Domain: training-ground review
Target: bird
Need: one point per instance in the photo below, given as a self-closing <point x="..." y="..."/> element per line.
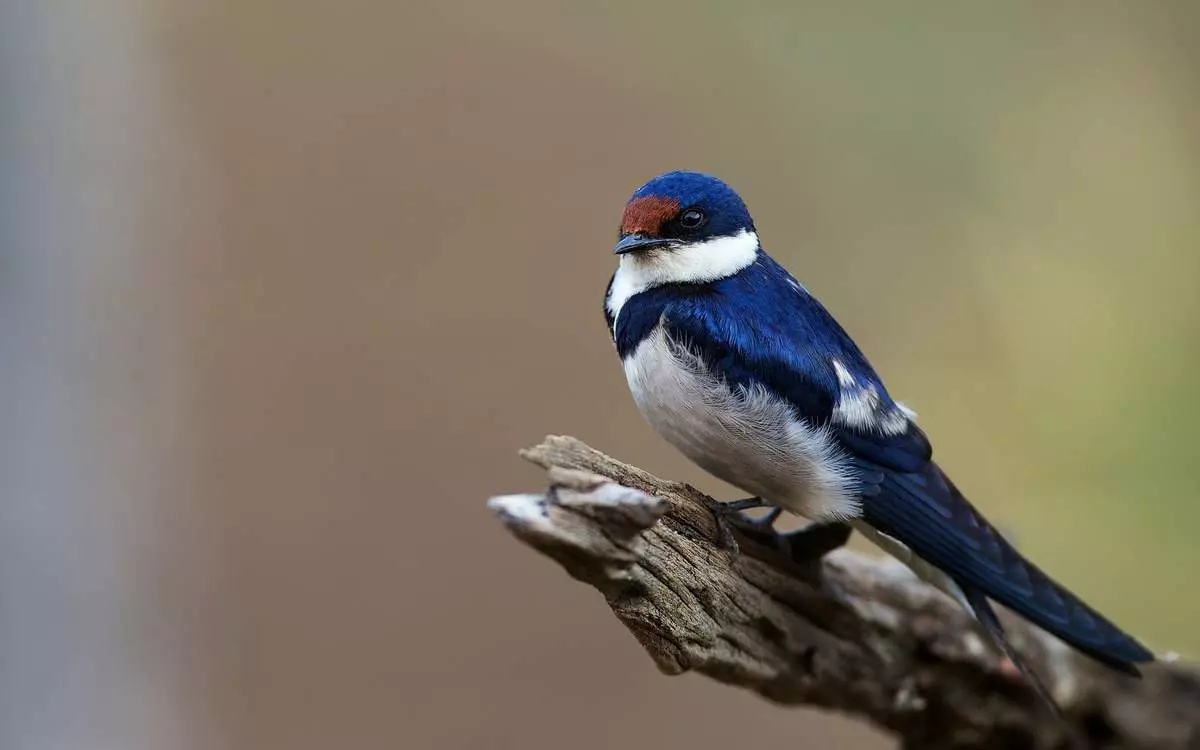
<point x="738" y="366"/>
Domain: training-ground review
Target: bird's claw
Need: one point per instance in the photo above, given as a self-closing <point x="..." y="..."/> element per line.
<point x="727" y="515"/>
<point x="749" y="503"/>
<point x="804" y="545"/>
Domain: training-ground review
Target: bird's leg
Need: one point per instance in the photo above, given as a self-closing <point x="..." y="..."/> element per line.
<point x="749" y="503"/>
<point x="768" y="519"/>
<point x="813" y="541"/>
<point x="765" y="521"/>
<point x="727" y="515"/>
<point x="806" y="544"/>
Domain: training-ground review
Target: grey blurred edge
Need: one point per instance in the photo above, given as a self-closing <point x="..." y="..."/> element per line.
<point x="93" y="392"/>
<point x="850" y="633"/>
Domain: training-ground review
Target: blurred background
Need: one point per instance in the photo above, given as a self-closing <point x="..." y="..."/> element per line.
<point x="285" y="286"/>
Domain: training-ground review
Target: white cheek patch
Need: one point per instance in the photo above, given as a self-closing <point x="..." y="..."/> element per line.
<point x="859" y="405"/>
<point x="699" y="262"/>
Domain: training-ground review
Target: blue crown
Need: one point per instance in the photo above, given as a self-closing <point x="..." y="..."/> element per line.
<point x="727" y="214"/>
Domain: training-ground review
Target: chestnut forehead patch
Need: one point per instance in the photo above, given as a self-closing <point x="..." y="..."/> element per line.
<point x="647" y="215"/>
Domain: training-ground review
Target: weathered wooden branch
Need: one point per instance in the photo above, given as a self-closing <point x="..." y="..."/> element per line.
<point x="848" y="632"/>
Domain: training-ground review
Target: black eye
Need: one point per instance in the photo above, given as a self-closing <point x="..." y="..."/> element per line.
<point x="693" y="218"/>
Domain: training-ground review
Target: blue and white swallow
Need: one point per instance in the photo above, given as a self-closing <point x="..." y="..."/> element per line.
<point x="739" y="367"/>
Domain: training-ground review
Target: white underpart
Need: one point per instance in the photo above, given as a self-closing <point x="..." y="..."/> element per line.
<point x="693" y="263"/>
<point x="859" y="405"/>
<point x="747" y="436"/>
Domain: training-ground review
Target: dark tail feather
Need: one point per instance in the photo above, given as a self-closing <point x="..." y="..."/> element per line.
<point x="1048" y="604"/>
<point x="995" y="632"/>
<point x="925" y="511"/>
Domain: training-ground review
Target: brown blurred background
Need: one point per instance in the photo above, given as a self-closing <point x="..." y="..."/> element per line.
<point x="285" y="286"/>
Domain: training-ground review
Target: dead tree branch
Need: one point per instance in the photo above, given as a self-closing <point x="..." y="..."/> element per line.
<point x="849" y="633"/>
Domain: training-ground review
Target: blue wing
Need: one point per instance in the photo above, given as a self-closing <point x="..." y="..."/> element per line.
<point x="788" y="349"/>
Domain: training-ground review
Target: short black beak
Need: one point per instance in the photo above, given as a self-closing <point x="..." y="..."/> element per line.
<point x="632" y="243"/>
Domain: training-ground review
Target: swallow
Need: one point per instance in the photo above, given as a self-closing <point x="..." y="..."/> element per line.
<point x="733" y="362"/>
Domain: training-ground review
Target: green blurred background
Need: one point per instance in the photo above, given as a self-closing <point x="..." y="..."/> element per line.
<point x="285" y="286"/>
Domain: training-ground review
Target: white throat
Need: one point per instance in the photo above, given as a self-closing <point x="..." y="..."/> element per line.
<point x="696" y="263"/>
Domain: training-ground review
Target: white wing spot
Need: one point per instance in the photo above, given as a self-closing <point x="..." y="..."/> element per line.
<point x="845" y="379"/>
<point x="860" y="405"/>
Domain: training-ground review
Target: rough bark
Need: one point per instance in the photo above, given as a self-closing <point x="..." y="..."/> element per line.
<point x="846" y="632"/>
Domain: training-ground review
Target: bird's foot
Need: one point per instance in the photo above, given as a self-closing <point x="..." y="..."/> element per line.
<point x="804" y="545"/>
<point x="811" y="542"/>
<point x="764" y="522"/>
<point x="749" y="503"/>
<point x="728" y="515"/>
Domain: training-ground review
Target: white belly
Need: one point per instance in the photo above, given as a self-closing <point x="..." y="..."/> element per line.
<point x="749" y="438"/>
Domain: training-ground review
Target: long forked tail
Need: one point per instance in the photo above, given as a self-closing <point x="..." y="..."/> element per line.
<point x="926" y="512"/>
<point x="1045" y="602"/>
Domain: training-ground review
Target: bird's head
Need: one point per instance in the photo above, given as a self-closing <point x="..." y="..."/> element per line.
<point x="678" y="209"/>
<point x="687" y="226"/>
